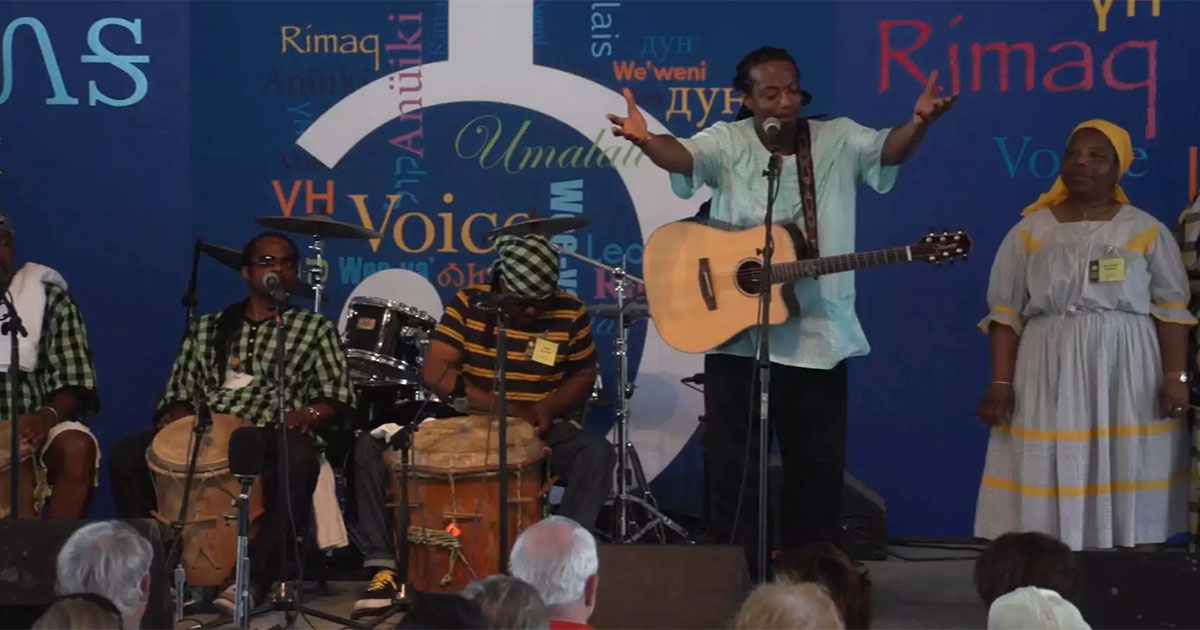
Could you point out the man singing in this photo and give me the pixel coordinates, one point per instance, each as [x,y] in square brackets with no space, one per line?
[541,387]
[58,383]
[808,370]
[232,359]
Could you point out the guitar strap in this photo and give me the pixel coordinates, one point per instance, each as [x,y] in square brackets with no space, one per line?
[808,184]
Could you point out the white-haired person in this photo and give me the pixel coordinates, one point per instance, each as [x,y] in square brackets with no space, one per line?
[509,603]
[786,605]
[109,559]
[557,556]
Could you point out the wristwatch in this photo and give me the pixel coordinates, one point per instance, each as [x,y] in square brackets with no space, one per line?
[1181,376]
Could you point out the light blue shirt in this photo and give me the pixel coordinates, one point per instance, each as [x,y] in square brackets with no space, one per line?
[730,159]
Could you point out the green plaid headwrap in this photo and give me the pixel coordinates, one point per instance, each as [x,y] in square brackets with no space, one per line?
[529,265]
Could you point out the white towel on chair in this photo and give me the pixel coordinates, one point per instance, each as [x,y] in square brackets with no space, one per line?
[331,529]
[28,288]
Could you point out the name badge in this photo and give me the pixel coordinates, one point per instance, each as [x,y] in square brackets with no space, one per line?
[1107,270]
[545,352]
[236,380]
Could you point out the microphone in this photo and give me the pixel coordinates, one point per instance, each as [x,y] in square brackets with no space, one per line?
[274,287]
[695,379]
[247,452]
[771,128]
[458,397]
[490,301]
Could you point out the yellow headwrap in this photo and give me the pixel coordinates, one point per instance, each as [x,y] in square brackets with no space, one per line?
[1120,141]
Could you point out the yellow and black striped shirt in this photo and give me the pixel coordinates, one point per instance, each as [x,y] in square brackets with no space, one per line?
[564,322]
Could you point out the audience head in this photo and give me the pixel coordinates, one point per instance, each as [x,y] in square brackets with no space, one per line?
[82,611]
[508,603]
[444,611]
[1027,559]
[784,605]
[110,559]
[557,556]
[825,564]
[1033,608]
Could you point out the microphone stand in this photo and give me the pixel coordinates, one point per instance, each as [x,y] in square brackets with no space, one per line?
[13,328]
[502,413]
[241,601]
[284,597]
[201,425]
[764,357]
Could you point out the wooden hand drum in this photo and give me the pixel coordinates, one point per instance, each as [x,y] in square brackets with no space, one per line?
[28,481]
[454,497]
[209,539]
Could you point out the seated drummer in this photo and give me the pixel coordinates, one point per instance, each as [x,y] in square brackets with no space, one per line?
[58,382]
[550,372]
[232,359]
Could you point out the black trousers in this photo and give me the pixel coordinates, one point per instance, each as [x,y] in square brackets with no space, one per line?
[135,497]
[808,418]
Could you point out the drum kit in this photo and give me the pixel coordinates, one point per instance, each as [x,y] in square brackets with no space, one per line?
[455,467]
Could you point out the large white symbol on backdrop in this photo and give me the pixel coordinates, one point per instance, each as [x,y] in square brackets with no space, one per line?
[490,59]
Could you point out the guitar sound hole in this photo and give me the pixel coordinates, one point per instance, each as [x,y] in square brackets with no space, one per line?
[749,275]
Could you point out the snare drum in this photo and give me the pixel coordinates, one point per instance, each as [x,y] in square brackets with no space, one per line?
[26,502]
[385,341]
[454,497]
[209,539]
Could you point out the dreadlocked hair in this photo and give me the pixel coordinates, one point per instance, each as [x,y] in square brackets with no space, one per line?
[742,81]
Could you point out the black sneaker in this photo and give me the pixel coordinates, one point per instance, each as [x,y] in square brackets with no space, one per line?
[379,595]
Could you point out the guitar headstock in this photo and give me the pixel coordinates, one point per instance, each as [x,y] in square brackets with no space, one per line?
[939,246]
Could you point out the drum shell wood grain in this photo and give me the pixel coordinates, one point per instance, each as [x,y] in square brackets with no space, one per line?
[454,481]
[209,539]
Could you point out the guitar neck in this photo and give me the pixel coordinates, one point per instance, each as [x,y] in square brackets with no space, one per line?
[812,267]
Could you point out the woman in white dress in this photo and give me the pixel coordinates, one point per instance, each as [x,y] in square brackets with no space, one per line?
[1088,328]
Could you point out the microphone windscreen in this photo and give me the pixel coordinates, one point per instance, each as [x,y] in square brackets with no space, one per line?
[247,451]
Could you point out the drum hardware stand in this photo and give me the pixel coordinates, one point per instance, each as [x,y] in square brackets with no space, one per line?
[629,466]
[316,272]
[13,328]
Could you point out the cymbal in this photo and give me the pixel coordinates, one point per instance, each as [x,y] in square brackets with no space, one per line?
[317,225]
[634,311]
[227,256]
[551,225]
[232,258]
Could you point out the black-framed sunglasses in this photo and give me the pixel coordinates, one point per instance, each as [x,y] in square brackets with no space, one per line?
[271,261]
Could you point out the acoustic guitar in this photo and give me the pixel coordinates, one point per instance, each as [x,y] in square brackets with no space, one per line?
[703,278]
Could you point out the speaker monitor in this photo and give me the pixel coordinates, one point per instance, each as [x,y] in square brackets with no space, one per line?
[670,586]
[1136,590]
[28,548]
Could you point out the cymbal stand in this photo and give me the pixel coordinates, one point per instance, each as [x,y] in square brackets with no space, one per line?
[630,475]
[316,271]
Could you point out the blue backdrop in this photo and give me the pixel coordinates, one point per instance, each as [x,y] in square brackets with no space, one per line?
[127,130]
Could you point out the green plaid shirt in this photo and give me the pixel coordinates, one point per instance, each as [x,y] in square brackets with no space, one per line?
[64,360]
[314,369]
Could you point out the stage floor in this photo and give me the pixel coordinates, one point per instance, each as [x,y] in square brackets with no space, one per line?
[906,594]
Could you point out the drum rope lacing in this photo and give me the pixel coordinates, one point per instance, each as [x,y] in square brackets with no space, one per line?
[444,538]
